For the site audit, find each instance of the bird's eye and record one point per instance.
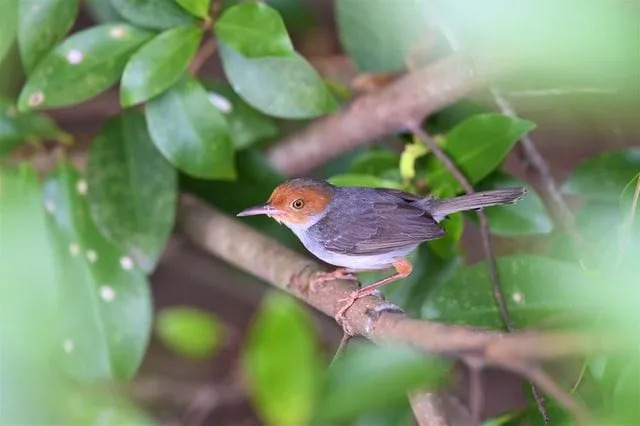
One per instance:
(298, 204)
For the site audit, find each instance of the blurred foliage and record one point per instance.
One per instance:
(190, 332)
(96, 235)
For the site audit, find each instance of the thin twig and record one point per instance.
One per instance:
(498, 294)
(341, 347)
(207, 49)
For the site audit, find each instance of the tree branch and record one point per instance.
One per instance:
(385, 111)
(249, 250)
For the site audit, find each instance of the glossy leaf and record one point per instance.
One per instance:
(158, 64)
(106, 302)
(102, 11)
(477, 145)
(371, 378)
(199, 8)
(131, 189)
(605, 175)
(41, 25)
(154, 14)
(82, 66)
(535, 288)
(246, 124)
(17, 128)
(254, 30)
(370, 181)
(283, 378)
(526, 217)
(190, 332)
(379, 36)
(190, 132)
(262, 67)
(8, 21)
(375, 162)
(285, 87)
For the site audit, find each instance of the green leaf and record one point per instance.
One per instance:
(477, 145)
(372, 378)
(283, 378)
(246, 124)
(81, 67)
(445, 120)
(190, 132)
(526, 217)
(375, 162)
(379, 36)
(158, 64)
(29, 295)
(370, 181)
(285, 87)
(41, 25)
(534, 287)
(106, 302)
(132, 189)
(605, 175)
(102, 11)
(17, 128)
(254, 30)
(154, 14)
(447, 246)
(262, 67)
(409, 156)
(199, 8)
(8, 21)
(190, 332)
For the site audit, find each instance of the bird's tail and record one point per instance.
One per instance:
(440, 209)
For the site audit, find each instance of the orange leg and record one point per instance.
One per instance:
(403, 269)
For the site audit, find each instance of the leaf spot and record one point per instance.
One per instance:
(518, 297)
(117, 32)
(82, 187)
(92, 256)
(74, 249)
(68, 346)
(220, 102)
(107, 293)
(35, 99)
(75, 56)
(126, 262)
(49, 206)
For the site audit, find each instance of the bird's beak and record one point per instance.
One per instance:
(263, 209)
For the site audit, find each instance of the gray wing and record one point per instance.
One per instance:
(377, 228)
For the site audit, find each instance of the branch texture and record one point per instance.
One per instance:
(249, 250)
(385, 111)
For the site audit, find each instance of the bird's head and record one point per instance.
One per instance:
(297, 203)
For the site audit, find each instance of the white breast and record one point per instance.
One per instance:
(368, 262)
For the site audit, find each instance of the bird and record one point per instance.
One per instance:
(358, 229)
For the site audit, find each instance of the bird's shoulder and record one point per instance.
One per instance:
(368, 221)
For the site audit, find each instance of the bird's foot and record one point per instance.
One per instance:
(322, 277)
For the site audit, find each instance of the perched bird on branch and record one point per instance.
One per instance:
(366, 229)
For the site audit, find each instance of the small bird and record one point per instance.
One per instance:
(366, 229)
